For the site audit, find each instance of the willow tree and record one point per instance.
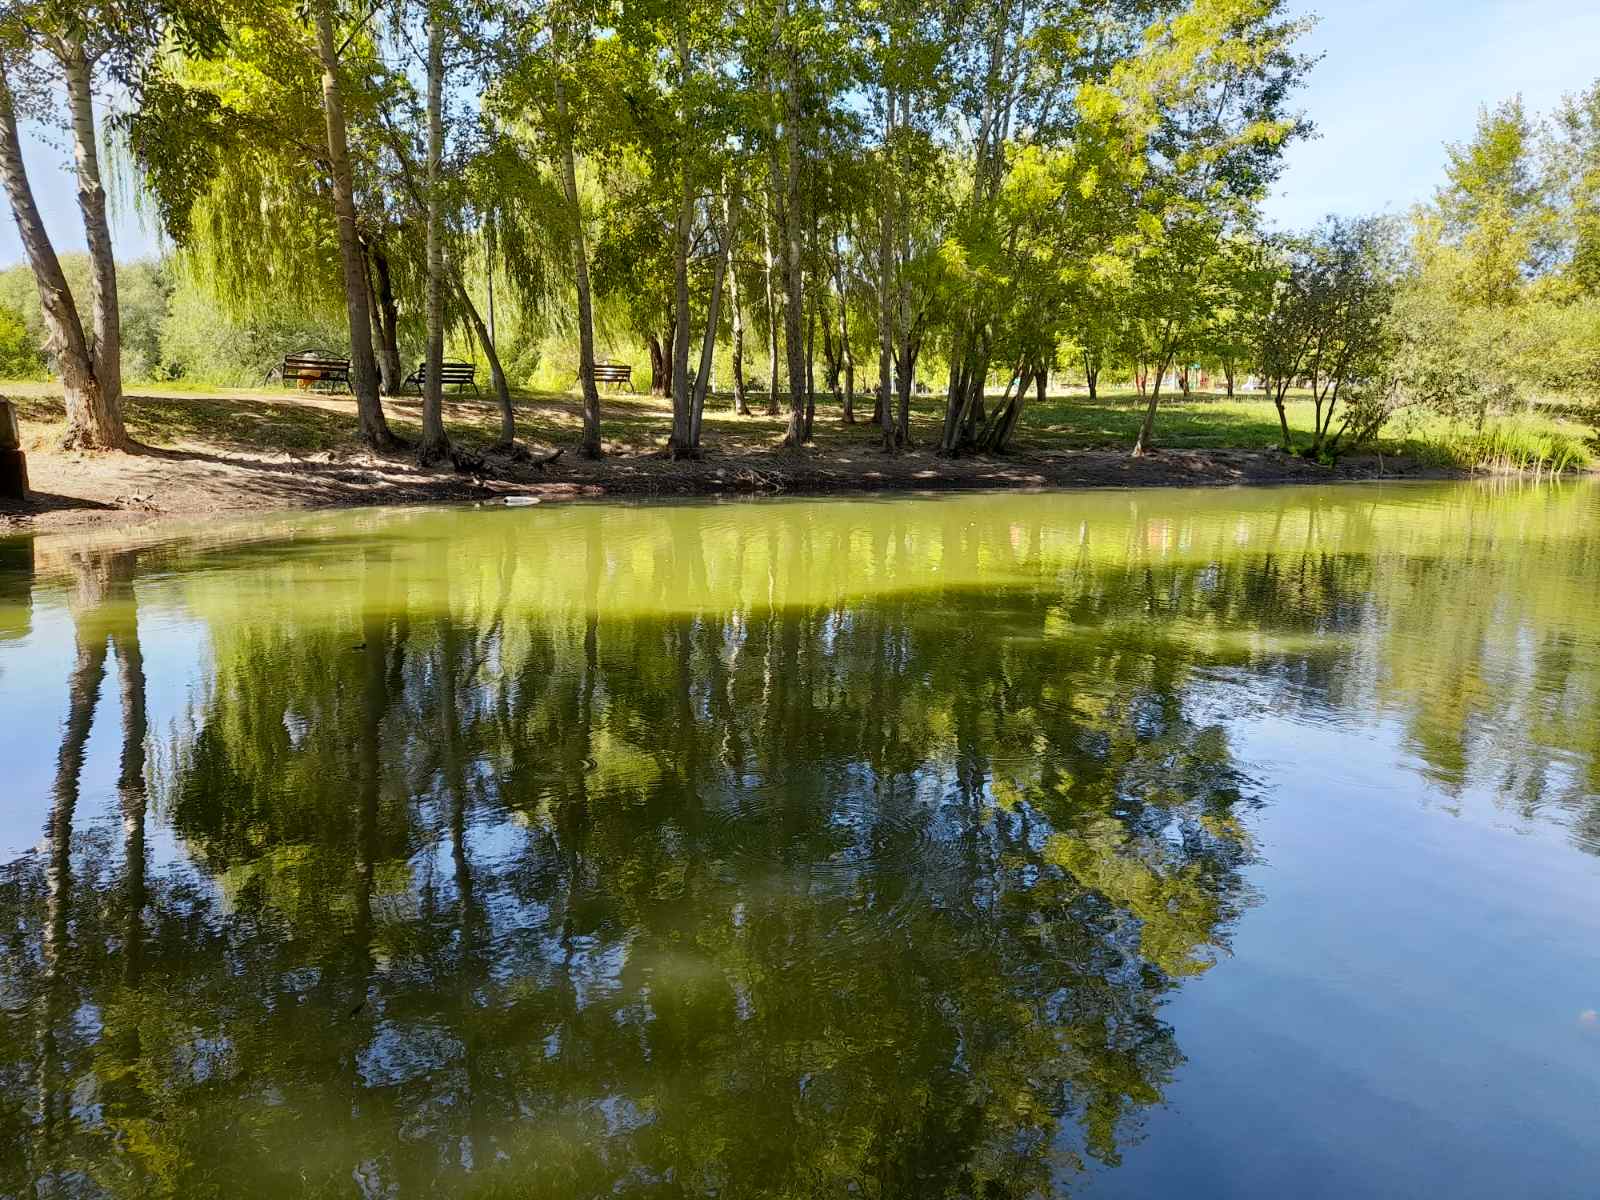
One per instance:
(249, 158)
(551, 91)
(518, 209)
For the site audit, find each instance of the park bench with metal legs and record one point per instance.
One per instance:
(313, 370)
(451, 374)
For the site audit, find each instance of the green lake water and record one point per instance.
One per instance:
(1170, 843)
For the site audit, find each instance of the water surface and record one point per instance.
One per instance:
(1235, 843)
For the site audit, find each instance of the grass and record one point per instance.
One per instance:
(1514, 444)
(267, 420)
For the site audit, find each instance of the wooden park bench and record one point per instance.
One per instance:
(616, 374)
(313, 369)
(459, 374)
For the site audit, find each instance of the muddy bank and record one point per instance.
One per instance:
(73, 489)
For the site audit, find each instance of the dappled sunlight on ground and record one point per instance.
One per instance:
(202, 452)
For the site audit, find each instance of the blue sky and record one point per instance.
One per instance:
(1399, 78)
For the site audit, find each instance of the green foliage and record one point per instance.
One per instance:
(1494, 310)
(1573, 154)
(20, 354)
(984, 192)
(143, 288)
(202, 342)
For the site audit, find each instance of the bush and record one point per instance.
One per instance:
(20, 354)
(201, 344)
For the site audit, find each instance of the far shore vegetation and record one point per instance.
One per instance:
(982, 231)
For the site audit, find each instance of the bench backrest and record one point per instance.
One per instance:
(612, 372)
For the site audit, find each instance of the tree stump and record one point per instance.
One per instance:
(13, 463)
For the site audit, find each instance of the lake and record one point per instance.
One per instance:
(1235, 843)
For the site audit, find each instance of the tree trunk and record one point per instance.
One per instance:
(497, 375)
(844, 340)
(1279, 387)
(435, 444)
(658, 364)
(590, 446)
(793, 267)
(374, 429)
(667, 348)
(385, 379)
(964, 408)
(1147, 428)
(996, 435)
(910, 332)
(832, 367)
(97, 233)
(681, 444)
(978, 380)
(708, 344)
(882, 412)
(811, 374)
(772, 321)
(1091, 372)
(391, 370)
(910, 347)
(741, 405)
(92, 420)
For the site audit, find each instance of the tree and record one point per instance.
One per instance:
(374, 428)
(435, 444)
(249, 157)
(1174, 288)
(1354, 292)
(1573, 157)
(1493, 207)
(1247, 276)
(554, 83)
(75, 41)
(1213, 101)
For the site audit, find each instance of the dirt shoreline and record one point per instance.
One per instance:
(74, 490)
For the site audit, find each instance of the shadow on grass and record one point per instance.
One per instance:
(244, 423)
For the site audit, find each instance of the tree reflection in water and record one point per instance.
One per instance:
(583, 864)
